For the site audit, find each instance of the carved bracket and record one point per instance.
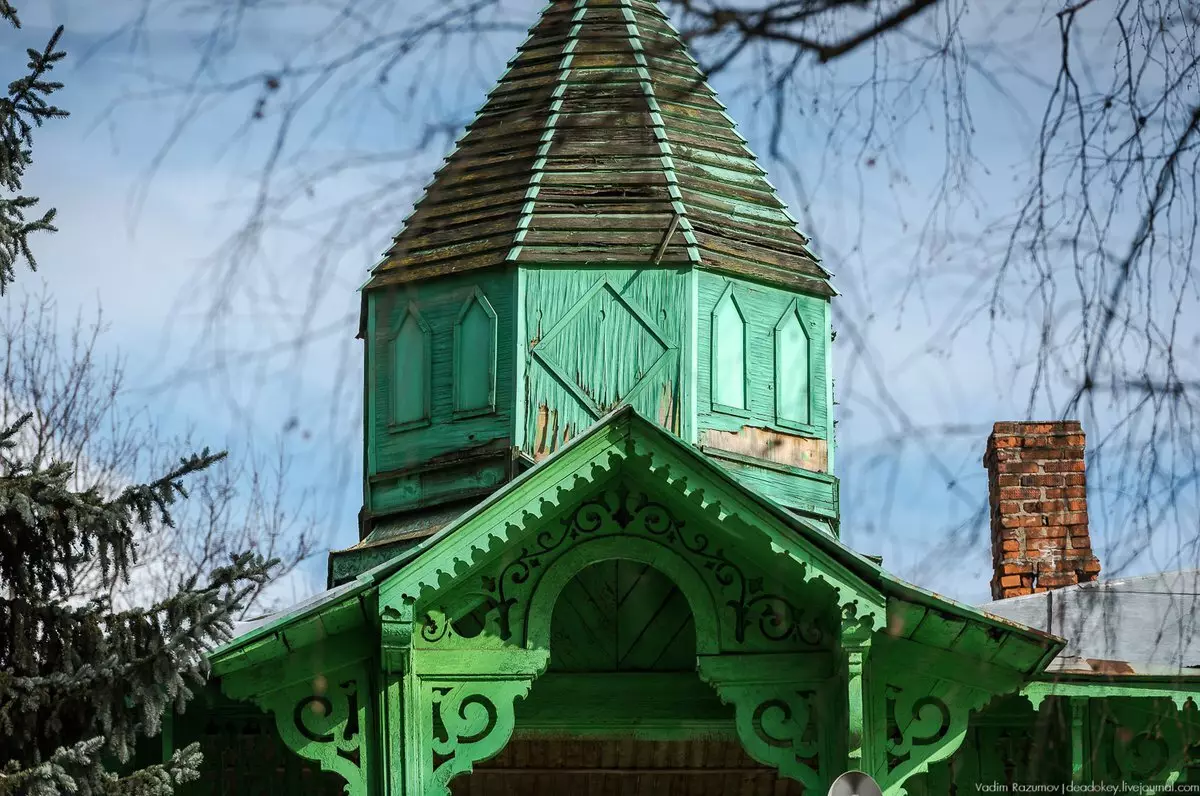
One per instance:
(323, 720)
(1150, 739)
(777, 713)
(465, 710)
(469, 722)
(926, 722)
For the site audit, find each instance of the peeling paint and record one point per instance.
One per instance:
(774, 446)
(600, 338)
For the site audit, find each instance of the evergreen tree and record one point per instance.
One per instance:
(23, 109)
(79, 683)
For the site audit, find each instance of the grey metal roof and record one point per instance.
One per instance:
(329, 595)
(1141, 625)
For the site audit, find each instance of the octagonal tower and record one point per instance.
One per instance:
(601, 235)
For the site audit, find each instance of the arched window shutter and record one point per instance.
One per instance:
(411, 349)
(475, 357)
(793, 369)
(728, 354)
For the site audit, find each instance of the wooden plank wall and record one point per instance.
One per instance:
(563, 767)
(446, 436)
(622, 616)
(756, 433)
(603, 348)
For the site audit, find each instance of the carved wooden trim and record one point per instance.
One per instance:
(732, 603)
(779, 716)
(325, 719)
(470, 722)
(926, 722)
(727, 507)
(463, 703)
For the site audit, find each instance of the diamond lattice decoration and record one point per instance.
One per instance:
(604, 349)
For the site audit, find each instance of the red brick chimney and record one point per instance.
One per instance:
(1038, 495)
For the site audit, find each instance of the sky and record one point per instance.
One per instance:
(151, 241)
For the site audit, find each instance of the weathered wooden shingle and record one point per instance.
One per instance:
(602, 142)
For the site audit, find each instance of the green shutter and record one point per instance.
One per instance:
(729, 355)
(475, 357)
(410, 357)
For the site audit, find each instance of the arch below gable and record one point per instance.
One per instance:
(540, 612)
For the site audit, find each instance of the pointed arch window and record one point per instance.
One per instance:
(475, 357)
(729, 355)
(793, 370)
(409, 355)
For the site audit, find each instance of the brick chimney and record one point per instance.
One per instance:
(1038, 496)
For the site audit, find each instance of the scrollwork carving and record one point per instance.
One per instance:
(437, 625)
(926, 719)
(324, 725)
(772, 616)
(778, 723)
(468, 722)
(778, 728)
(917, 722)
(786, 722)
(775, 616)
(1147, 745)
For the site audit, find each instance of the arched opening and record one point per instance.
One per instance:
(622, 616)
(620, 709)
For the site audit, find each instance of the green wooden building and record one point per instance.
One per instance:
(599, 545)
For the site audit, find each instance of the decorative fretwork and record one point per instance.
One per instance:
(470, 722)
(322, 720)
(926, 723)
(1147, 739)
(915, 722)
(777, 711)
(756, 611)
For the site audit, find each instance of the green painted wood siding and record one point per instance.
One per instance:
(786, 381)
(763, 308)
(599, 337)
(444, 306)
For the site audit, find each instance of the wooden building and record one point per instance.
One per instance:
(600, 531)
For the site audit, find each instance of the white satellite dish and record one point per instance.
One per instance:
(854, 783)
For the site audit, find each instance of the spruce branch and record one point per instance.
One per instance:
(77, 769)
(24, 108)
(139, 663)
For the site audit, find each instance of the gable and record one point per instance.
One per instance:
(627, 451)
(625, 491)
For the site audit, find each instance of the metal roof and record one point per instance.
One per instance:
(321, 598)
(1146, 625)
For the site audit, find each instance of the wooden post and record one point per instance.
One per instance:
(1080, 743)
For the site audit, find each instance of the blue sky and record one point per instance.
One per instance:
(144, 250)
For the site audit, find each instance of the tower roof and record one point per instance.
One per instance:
(602, 142)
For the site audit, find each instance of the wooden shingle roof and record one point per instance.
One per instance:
(602, 142)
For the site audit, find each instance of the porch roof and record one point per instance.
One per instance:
(908, 605)
(1119, 628)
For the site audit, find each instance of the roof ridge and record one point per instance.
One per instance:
(660, 131)
(733, 126)
(548, 129)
